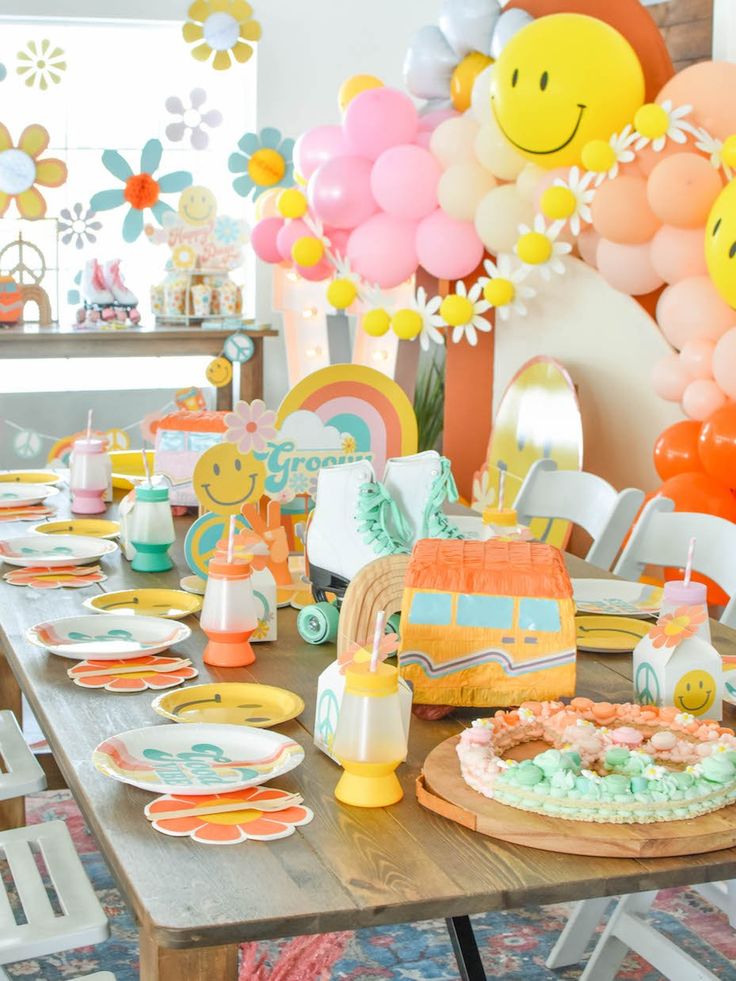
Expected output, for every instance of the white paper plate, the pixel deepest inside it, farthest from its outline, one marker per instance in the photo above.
(617, 597)
(50, 551)
(110, 638)
(196, 759)
(15, 495)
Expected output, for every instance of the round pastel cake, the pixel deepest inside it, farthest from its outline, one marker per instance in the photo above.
(622, 764)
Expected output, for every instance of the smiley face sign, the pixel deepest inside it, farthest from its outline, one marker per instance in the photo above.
(695, 692)
(219, 372)
(562, 81)
(224, 479)
(197, 205)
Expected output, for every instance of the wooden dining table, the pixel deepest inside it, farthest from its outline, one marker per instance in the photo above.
(350, 867)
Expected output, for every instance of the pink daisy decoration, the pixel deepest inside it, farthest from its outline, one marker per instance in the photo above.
(251, 425)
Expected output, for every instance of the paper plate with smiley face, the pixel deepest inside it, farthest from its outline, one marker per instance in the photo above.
(224, 479)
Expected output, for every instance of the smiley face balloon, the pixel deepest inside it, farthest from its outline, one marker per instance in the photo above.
(562, 81)
(225, 479)
(720, 243)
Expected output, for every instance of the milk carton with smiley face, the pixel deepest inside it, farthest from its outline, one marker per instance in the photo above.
(686, 673)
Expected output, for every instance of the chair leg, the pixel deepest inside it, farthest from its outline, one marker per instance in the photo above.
(574, 939)
(465, 948)
(611, 950)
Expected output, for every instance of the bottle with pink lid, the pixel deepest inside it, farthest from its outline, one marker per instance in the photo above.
(88, 477)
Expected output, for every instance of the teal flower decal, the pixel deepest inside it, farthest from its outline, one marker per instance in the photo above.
(141, 190)
(266, 162)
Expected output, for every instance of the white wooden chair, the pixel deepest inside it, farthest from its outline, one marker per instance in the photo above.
(60, 909)
(583, 498)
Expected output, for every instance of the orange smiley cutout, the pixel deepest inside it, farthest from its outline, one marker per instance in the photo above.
(225, 479)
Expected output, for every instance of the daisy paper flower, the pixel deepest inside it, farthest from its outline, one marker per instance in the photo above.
(345, 288)
(22, 170)
(222, 27)
(78, 225)
(142, 190)
(656, 123)
(193, 120)
(184, 257)
(356, 653)
(41, 67)
(713, 148)
(672, 628)
(262, 628)
(539, 249)
(603, 158)
(463, 311)
(573, 200)
(265, 162)
(502, 286)
(250, 426)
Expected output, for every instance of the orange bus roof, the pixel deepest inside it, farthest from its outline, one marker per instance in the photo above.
(493, 567)
(197, 421)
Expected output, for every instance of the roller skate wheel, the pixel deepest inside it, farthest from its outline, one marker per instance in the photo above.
(393, 623)
(317, 624)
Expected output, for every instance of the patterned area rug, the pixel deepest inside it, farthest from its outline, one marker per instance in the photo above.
(513, 945)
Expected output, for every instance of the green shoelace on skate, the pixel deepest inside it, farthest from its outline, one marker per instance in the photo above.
(443, 489)
(377, 514)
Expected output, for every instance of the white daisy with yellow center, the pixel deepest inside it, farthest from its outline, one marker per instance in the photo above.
(502, 286)
(539, 249)
(569, 200)
(420, 320)
(722, 155)
(463, 311)
(656, 123)
(604, 158)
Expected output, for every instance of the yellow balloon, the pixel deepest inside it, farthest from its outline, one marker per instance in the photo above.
(558, 203)
(341, 293)
(307, 251)
(376, 323)
(456, 310)
(720, 235)
(562, 81)
(463, 79)
(354, 86)
(407, 324)
(292, 203)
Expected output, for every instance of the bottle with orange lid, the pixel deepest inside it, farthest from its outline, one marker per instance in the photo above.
(229, 612)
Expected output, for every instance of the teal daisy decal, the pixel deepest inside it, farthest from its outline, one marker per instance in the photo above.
(141, 190)
(266, 162)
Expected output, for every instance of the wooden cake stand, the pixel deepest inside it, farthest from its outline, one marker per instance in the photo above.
(441, 788)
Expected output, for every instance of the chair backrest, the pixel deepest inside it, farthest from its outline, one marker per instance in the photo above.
(661, 537)
(583, 498)
(20, 771)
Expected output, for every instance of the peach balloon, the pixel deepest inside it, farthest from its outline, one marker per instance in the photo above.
(621, 212)
(701, 399)
(647, 158)
(692, 310)
(682, 188)
(678, 253)
(461, 189)
(452, 142)
(708, 87)
(669, 378)
(724, 363)
(628, 268)
(588, 241)
(696, 357)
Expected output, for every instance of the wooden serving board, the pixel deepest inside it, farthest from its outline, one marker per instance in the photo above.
(441, 788)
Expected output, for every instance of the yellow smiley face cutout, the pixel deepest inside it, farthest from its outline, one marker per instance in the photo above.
(695, 692)
(225, 479)
(720, 243)
(197, 205)
(219, 372)
(562, 81)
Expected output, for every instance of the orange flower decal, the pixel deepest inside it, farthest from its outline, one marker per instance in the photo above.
(24, 170)
(672, 628)
(356, 652)
(73, 576)
(232, 827)
(101, 674)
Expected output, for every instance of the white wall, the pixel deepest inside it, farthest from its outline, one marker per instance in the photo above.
(724, 30)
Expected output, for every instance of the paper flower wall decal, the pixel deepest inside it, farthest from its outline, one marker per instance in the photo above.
(141, 190)
(21, 170)
(222, 27)
(41, 67)
(3, 72)
(266, 162)
(78, 225)
(192, 120)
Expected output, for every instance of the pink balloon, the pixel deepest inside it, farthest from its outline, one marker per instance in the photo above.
(429, 121)
(340, 192)
(378, 119)
(291, 232)
(724, 363)
(692, 310)
(448, 248)
(588, 240)
(669, 378)
(338, 239)
(264, 238)
(628, 268)
(701, 398)
(317, 146)
(382, 250)
(424, 139)
(404, 181)
(696, 357)
(315, 274)
(678, 253)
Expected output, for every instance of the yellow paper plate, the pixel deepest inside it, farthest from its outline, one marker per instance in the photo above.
(92, 527)
(29, 477)
(230, 703)
(170, 603)
(193, 584)
(127, 464)
(605, 634)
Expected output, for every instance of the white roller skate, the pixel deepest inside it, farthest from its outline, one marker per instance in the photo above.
(99, 302)
(125, 300)
(420, 485)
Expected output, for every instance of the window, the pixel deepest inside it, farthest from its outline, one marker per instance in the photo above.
(491, 612)
(431, 609)
(539, 614)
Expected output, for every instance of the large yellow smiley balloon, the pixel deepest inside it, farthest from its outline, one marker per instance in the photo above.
(562, 81)
(225, 479)
(694, 692)
(720, 243)
(197, 205)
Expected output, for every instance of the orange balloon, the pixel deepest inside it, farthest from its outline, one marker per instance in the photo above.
(717, 445)
(621, 212)
(676, 449)
(708, 87)
(700, 493)
(682, 188)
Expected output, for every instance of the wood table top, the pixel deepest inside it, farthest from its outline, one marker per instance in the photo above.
(350, 867)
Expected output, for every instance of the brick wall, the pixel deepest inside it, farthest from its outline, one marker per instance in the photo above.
(687, 26)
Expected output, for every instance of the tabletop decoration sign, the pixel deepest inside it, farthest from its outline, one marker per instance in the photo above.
(135, 675)
(71, 577)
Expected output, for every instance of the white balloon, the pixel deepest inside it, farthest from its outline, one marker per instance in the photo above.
(462, 188)
(453, 141)
(526, 182)
(480, 100)
(468, 24)
(429, 64)
(498, 217)
(509, 23)
(496, 153)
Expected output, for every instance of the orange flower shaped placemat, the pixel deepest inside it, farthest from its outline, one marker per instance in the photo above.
(71, 576)
(138, 674)
(30, 512)
(231, 827)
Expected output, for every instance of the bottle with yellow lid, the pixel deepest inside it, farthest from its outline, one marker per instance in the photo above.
(503, 523)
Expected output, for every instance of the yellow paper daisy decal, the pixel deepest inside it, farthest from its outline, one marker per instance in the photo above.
(222, 27)
(41, 66)
(21, 170)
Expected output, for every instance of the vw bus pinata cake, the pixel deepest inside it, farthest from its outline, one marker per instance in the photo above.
(487, 623)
